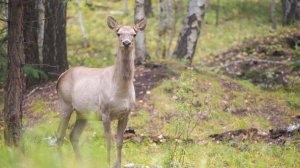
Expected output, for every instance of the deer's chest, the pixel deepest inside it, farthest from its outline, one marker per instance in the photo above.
(120, 107)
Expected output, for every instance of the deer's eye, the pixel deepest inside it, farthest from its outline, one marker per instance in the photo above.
(134, 35)
(118, 34)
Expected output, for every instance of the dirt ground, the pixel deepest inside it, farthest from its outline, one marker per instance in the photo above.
(268, 61)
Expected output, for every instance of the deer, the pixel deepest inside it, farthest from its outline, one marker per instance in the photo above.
(106, 92)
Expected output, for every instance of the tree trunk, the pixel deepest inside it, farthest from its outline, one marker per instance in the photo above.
(61, 36)
(82, 28)
(148, 8)
(218, 13)
(273, 14)
(140, 42)
(49, 43)
(291, 11)
(125, 6)
(166, 28)
(54, 44)
(30, 38)
(15, 81)
(187, 41)
(41, 23)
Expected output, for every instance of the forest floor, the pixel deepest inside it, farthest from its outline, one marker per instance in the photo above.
(190, 116)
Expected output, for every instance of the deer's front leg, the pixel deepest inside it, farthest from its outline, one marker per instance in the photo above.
(120, 132)
(107, 130)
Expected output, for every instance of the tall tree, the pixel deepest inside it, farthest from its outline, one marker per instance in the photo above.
(125, 7)
(30, 31)
(61, 36)
(15, 80)
(217, 12)
(273, 13)
(188, 37)
(54, 44)
(291, 11)
(82, 28)
(148, 8)
(140, 44)
(41, 15)
(166, 28)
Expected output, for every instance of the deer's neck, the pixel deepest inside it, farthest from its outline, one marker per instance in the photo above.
(124, 67)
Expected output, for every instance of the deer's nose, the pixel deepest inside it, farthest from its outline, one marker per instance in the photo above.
(126, 43)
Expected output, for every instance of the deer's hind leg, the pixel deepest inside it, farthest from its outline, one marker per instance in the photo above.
(79, 126)
(66, 111)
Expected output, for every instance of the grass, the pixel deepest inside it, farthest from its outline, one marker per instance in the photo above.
(175, 111)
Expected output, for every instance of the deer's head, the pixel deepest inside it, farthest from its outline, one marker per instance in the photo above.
(126, 34)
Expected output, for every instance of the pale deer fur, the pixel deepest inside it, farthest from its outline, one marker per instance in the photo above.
(107, 92)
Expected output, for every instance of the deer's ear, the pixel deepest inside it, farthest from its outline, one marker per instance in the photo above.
(141, 25)
(112, 23)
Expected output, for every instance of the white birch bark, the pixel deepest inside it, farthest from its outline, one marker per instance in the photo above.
(166, 28)
(187, 41)
(140, 40)
(81, 24)
(125, 6)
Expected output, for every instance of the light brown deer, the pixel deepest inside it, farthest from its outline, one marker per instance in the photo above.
(107, 92)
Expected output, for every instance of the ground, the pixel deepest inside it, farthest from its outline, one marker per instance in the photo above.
(180, 110)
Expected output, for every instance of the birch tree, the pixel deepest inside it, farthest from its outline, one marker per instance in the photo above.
(291, 11)
(273, 14)
(82, 28)
(125, 7)
(190, 31)
(166, 29)
(140, 40)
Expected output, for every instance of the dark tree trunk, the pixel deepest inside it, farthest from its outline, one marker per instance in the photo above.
(54, 45)
(148, 8)
(49, 43)
(30, 31)
(15, 81)
(61, 41)
(291, 11)
(187, 41)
